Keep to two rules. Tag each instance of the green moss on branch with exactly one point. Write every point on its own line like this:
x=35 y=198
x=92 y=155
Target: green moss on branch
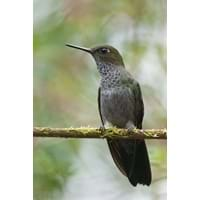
x=112 y=133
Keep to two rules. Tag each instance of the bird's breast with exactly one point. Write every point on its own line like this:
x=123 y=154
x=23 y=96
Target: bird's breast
x=117 y=106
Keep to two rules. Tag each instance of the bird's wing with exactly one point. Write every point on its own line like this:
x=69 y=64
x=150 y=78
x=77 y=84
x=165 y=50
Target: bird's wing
x=136 y=94
x=99 y=105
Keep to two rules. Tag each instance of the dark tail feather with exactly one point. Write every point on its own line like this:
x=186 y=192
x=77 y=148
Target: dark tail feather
x=141 y=172
x=131 y=157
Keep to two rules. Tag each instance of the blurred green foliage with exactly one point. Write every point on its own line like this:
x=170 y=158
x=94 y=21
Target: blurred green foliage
x=66 y=81
x=51 y=168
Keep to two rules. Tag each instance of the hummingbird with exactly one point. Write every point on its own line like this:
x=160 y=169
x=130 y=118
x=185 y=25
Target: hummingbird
x=120 y=105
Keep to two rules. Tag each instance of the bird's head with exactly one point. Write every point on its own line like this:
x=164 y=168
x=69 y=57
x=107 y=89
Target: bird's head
x=103 y=54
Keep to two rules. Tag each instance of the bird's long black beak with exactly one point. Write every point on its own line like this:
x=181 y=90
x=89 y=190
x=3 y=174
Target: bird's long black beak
x=80 y=48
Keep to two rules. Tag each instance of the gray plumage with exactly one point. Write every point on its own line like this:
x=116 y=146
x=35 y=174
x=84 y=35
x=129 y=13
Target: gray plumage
x=120 y=96
x=120 y=104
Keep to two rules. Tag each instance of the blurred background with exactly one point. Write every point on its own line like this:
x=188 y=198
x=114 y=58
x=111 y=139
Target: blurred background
x=65 y=94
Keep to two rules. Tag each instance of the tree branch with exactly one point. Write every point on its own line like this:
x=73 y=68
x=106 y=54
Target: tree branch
x=112 y=133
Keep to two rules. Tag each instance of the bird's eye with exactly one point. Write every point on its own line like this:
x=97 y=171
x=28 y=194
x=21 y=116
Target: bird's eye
x=104 y=50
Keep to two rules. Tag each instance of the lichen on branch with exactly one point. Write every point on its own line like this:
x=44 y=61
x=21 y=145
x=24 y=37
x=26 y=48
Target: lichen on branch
x=111 y=133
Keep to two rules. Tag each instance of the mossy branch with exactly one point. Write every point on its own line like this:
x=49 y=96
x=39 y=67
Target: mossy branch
x=112 y=133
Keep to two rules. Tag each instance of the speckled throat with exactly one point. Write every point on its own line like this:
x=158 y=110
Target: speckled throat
x=110 y=75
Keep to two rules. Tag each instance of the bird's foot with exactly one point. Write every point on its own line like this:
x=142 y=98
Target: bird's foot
x=102 y=129
x=130 y=129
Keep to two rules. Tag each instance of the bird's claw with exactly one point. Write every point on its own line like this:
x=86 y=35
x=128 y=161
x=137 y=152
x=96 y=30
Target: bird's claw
x=102 y=129
x=130 y=129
